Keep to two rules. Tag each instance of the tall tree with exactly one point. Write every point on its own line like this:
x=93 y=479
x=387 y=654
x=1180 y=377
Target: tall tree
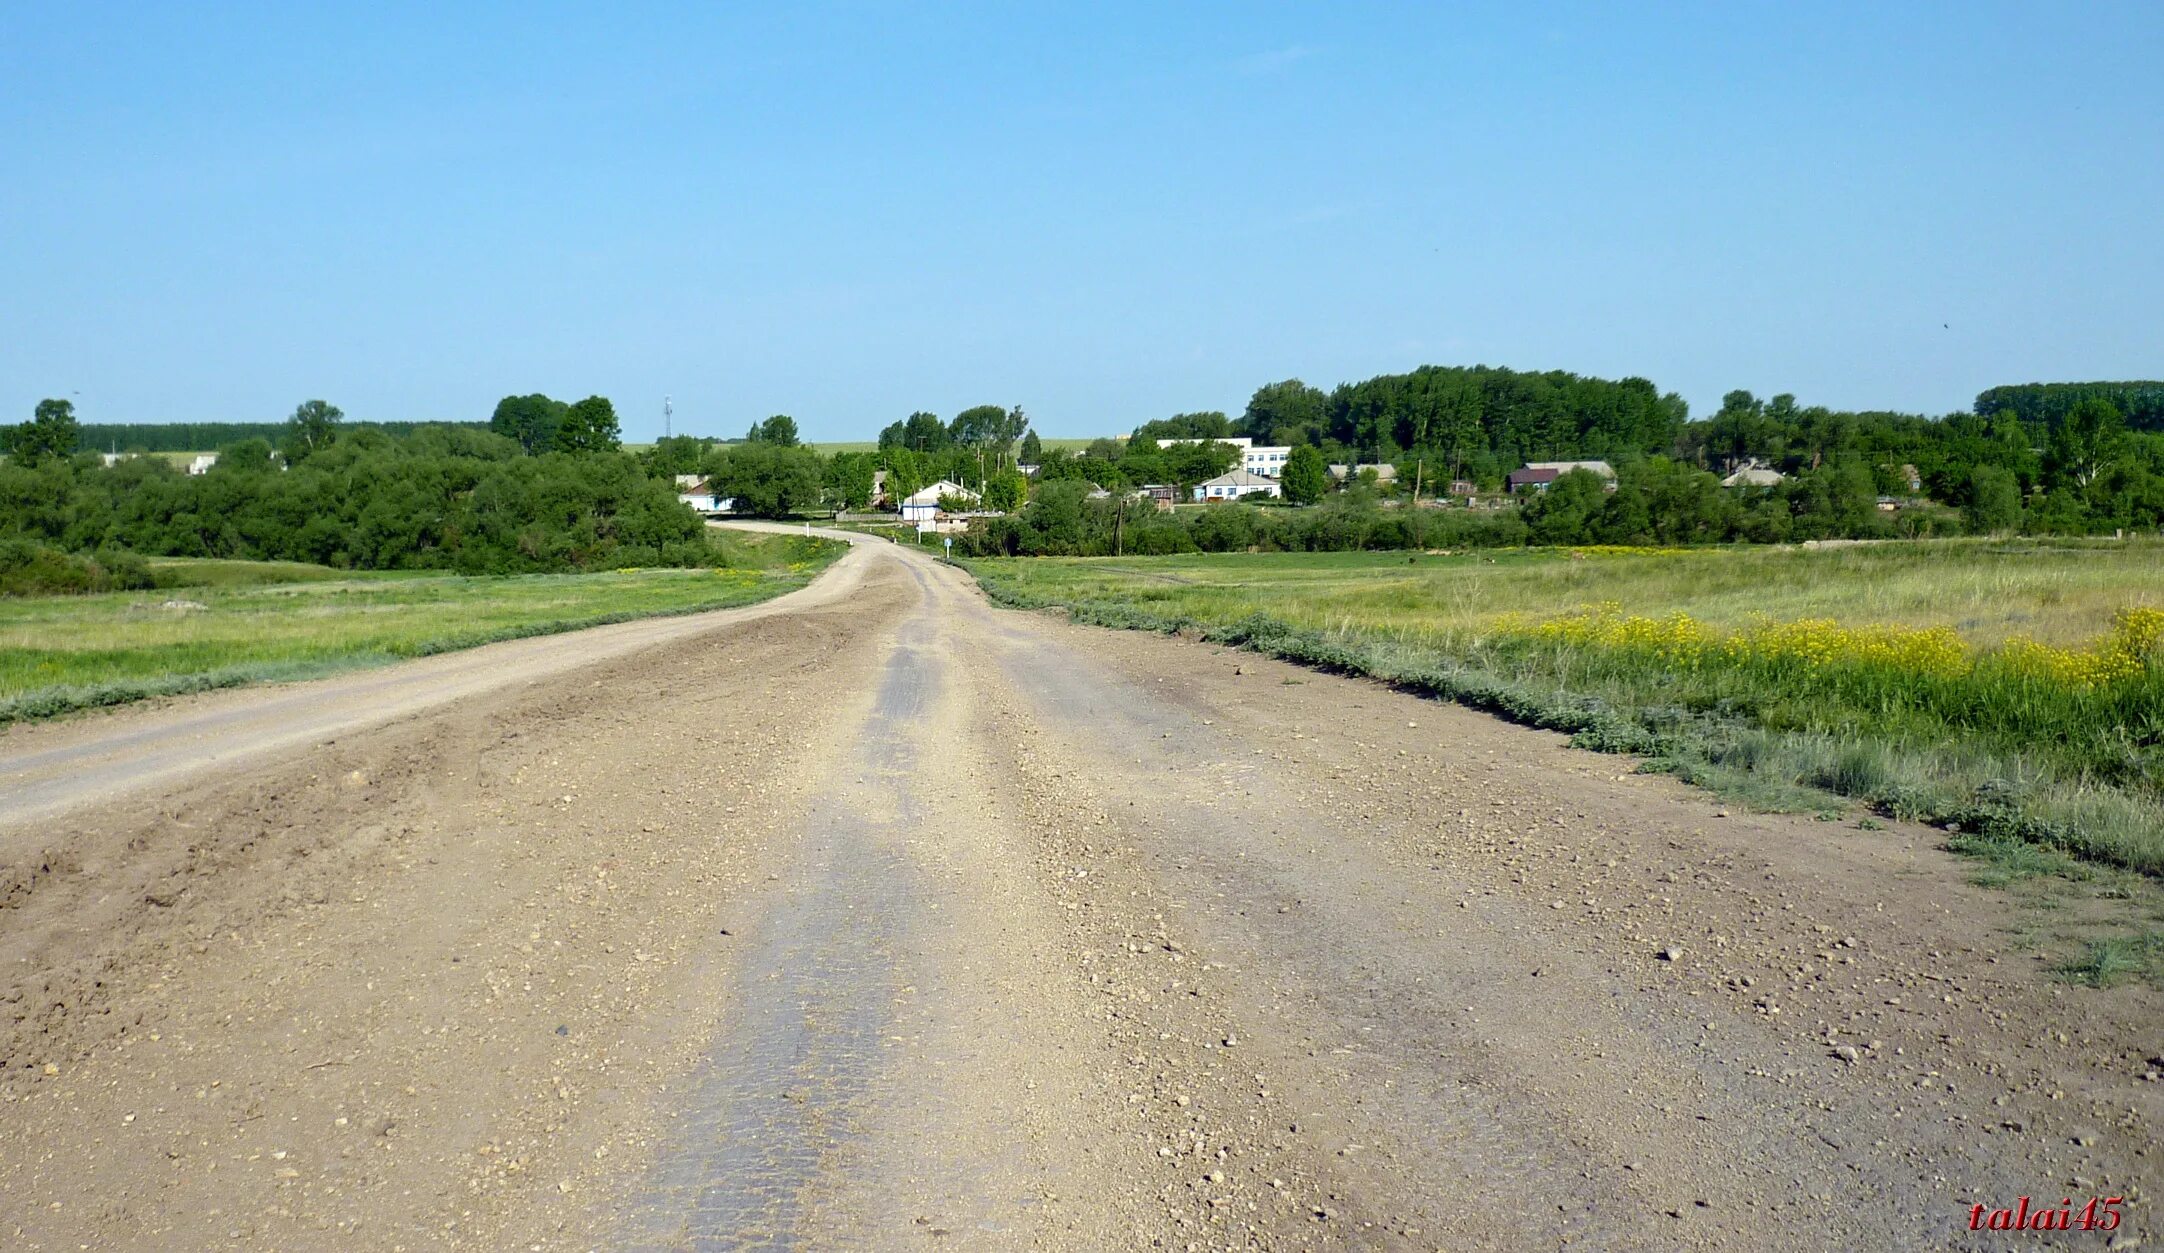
x=2088 y=441
x=531 y=420
x=1306 y=478
x=590 y=426
x=978 y=427
x=51 y=433
x=779 y=429
x=767 y=480
x=1993 y=505
x=676 y=454
x=1032 y=448
x=1207 y=424
x=1290 y=412
x=311 y=429
x=923 y=432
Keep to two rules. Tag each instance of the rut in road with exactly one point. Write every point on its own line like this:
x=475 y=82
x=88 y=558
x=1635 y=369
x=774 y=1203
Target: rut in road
x=890 y=920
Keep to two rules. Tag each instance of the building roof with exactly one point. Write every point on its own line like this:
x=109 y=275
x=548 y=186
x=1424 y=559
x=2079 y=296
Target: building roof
x=1237 y=441
x=930 y=493
x=1239 y=478
x=1601 y=468
x=1754 y=476
x=1531 y=474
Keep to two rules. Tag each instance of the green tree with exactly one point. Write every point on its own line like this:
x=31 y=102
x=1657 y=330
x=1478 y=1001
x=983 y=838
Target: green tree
x=767 y=480
x=2087 y=442
x=1306 y=478
x=589 y=426
x=1032 y=448
x=50 y=434
x=1837 y=500
x=531 y=420
x=848 y=479
x=779 y=429
x=672 y=455
x=1290 y=412
x=1189 y=464
x=1053 y=520
x=1006 y=490
x=312 y=427
x=1993 y=506
x=1564 y=513
x=920 y=432
x=1208 y=424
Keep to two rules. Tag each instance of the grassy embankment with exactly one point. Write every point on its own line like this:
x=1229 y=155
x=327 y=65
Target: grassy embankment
x=2011 y=691
x=226 y=623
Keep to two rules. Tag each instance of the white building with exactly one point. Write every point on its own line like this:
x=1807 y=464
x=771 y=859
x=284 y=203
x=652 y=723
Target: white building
x=922 y=505
x=1236 y=484
x=1264 y=459
x=699 y=494
x=203 y=461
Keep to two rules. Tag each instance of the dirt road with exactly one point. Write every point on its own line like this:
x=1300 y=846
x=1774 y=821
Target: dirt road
x=879 y=918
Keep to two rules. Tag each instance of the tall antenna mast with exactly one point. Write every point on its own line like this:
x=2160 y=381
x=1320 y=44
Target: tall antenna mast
x=666 y=411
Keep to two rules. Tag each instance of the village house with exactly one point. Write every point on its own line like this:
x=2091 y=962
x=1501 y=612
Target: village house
x=1234 y=485
x=922 y=505
x=695 y=491
x=1752 y=474
x=1539 y=474
x=202 y=463
x=1601 y=468
x=1162 y=495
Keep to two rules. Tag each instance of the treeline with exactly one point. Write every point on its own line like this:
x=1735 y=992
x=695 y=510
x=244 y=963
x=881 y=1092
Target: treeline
x=442 y=497
x=2043 y=405
x=1654 y=501
x=206 y=436
x=1064 y=519
x=1477 y=422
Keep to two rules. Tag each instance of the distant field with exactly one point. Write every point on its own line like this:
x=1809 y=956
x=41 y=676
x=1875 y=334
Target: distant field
x=223 y=623
x=2014 y=688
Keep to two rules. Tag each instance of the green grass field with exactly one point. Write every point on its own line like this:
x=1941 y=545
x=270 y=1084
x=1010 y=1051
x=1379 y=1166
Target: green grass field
x=2013 y=690
x=224 y=623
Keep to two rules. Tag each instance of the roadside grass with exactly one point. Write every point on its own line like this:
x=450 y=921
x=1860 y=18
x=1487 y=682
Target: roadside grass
x=2106 y=961
x=219 y=624
x=2012 y=692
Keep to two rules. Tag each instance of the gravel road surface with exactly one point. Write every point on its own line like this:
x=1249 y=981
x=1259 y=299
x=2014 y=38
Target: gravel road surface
x=875 y=917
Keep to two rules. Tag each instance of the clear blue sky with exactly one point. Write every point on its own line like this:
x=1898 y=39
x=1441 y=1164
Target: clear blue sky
x=1104 y=213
